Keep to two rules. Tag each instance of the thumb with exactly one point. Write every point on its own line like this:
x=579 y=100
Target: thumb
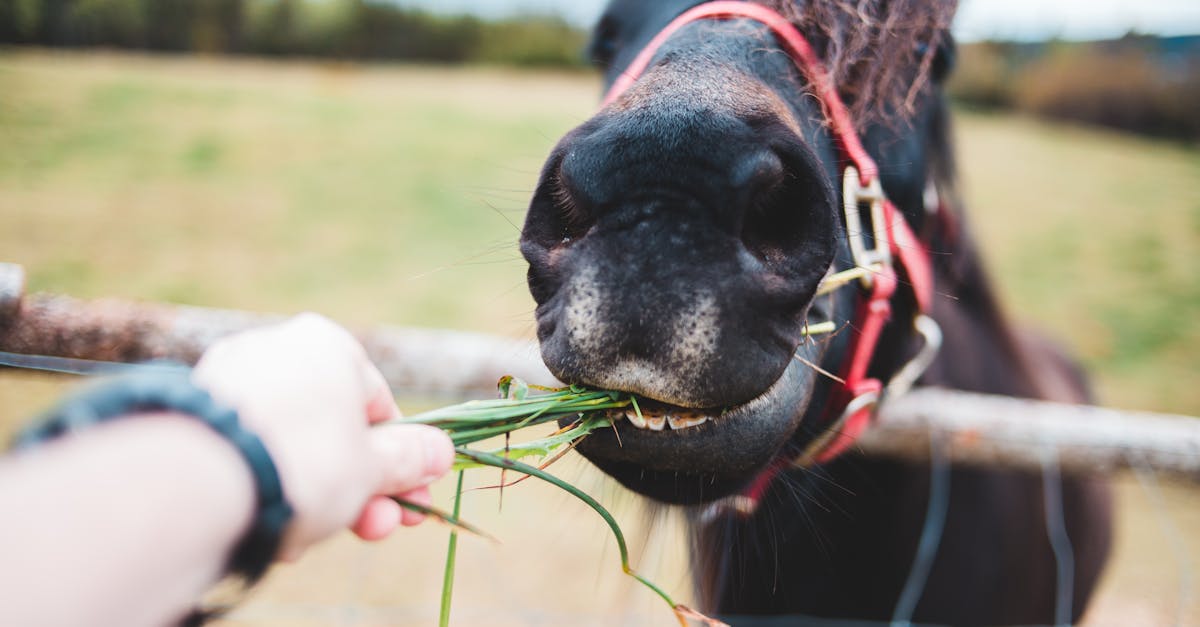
x=409 y=456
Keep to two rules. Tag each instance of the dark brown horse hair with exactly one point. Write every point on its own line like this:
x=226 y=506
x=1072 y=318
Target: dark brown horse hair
x=870 y=48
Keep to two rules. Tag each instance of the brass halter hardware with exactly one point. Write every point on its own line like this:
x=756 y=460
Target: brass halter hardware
x=854 y=197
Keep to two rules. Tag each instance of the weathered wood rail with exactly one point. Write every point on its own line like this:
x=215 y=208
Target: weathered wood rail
x=972 y=428
x=418 y=361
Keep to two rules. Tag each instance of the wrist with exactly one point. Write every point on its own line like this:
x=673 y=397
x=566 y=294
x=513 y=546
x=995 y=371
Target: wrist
x=133 y=518
x=198 y=470
x=172 y=392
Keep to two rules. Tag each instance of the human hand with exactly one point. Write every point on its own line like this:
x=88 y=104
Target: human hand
x=307 y=389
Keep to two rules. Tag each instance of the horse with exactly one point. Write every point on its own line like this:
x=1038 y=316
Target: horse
x=677 y=244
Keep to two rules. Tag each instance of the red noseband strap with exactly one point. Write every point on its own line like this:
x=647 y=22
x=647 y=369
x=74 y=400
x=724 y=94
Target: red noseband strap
x=853 y=404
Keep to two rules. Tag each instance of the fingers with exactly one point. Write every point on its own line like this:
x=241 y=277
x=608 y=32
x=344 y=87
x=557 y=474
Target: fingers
x=381 y=515
x=378 y=518
x=305 y=386
x=409 y=456
x=420 y=496
x=381 y=405
x=317 y=328
x=306 y=345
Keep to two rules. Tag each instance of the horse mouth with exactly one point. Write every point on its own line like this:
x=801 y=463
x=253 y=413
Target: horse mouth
x=651 y=418
x=655 y=416
x=689 y=456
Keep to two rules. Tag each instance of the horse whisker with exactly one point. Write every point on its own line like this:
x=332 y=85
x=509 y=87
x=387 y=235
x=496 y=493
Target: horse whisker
x=820 y=369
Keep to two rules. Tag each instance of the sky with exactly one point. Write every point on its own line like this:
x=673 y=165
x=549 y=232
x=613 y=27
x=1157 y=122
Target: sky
x=977 y=19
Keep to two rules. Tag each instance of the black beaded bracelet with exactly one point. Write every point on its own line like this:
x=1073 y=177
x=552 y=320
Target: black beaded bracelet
x=171 y=389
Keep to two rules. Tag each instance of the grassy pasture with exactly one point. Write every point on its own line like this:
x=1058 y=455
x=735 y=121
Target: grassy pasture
x=393 y=195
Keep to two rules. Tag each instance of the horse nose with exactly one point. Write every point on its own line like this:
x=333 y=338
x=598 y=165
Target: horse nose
x=717 y=175
x=673 y=250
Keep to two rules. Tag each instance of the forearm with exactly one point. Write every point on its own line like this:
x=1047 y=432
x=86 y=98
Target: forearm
x=126 y=523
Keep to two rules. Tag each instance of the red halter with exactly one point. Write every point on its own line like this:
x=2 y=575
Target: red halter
x=852 y=405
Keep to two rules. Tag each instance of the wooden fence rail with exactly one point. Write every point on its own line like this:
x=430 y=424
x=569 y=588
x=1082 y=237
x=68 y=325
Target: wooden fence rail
x=423 y=362
x=973 y=428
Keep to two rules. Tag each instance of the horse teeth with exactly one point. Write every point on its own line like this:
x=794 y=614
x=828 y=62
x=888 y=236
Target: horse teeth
x=681 y=422
x=653 y=422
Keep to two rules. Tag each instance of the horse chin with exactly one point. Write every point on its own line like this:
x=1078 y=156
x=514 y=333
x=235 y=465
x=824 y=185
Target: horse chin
x=705 y=462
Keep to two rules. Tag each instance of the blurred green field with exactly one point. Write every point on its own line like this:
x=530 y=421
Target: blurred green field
x=386 y=194
x=370 y=195
x=378 y=194
x=1094 y=237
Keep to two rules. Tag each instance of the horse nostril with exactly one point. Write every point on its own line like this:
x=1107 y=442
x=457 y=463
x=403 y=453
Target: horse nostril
x=558 y=214
x=759 y=173
x=766 y=229
x=784 y=209
x=572 y=212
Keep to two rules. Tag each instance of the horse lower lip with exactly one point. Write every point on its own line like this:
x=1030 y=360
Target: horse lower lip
x=707 y=461
x=653 y=415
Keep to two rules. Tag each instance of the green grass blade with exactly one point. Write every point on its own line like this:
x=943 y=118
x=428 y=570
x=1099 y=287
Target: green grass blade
x=451 y=553
x=488 y=459
x=445 y=517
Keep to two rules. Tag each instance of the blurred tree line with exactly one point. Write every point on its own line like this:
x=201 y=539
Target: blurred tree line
x=1142 y=84
x=1138 y=83
x=342 y=29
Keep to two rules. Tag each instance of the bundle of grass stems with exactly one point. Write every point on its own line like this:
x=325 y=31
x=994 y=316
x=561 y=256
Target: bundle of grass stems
x=580 y=411
x=521 y=406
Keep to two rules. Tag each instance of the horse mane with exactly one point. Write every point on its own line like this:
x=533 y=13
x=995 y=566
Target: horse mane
x=870 y=48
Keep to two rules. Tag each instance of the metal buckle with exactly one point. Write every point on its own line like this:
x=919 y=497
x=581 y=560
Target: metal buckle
x=866 y=400
x=854 y=196
x=931 y=333
x=738 y=505
x=818 y=447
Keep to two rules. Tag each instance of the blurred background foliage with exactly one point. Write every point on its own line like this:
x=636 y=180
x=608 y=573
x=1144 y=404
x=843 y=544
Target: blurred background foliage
x=339 y=29
x=1138 y=83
